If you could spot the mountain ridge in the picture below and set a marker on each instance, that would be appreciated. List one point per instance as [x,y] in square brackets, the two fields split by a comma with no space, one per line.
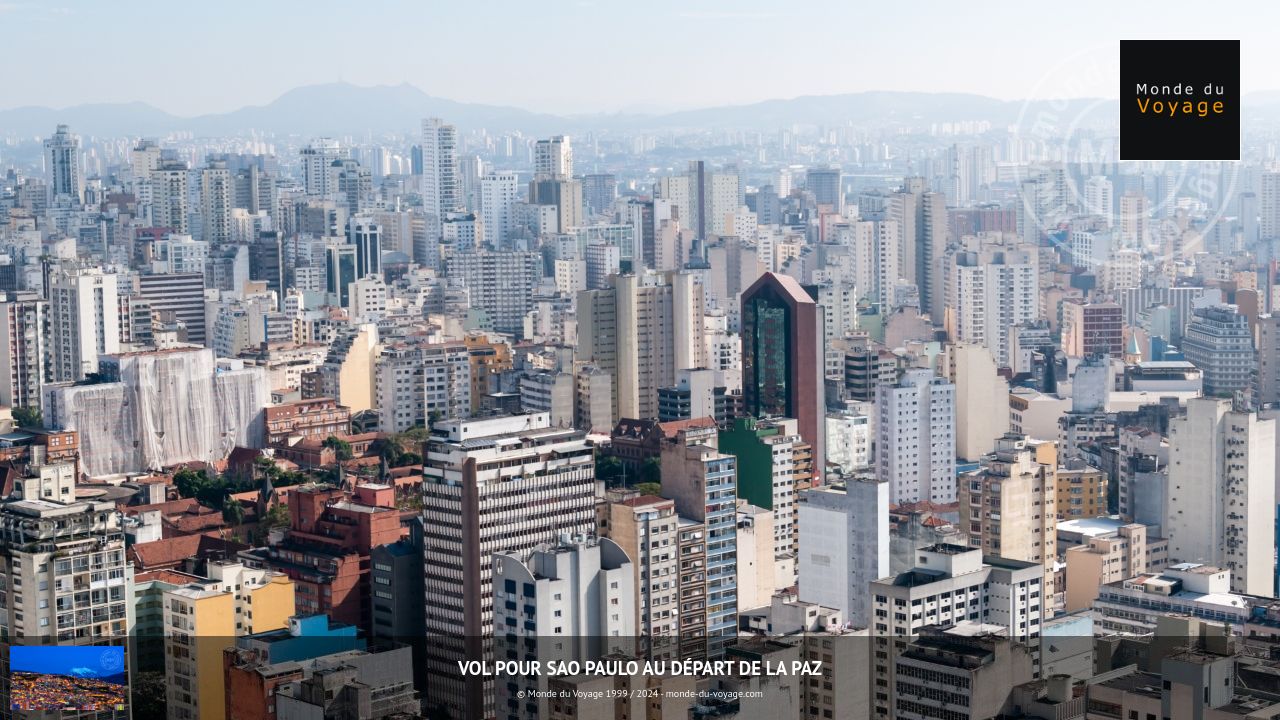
[341,108]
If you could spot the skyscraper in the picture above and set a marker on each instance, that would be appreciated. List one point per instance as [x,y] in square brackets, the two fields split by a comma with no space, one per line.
[1219,342]
[703,483]
[439,173]
[553,158]
[340,272]
[498,195]
[642,330]
[24,318]
[824,183]
[916,450]
[366,236]
[216,199]
[1008,506]
[1221,506]
[500,484]
[922,230]
[992,288]
[169,202]
[62,160]
[782,357]
[1269,207]
[84,321]
[317,166]
[598,192]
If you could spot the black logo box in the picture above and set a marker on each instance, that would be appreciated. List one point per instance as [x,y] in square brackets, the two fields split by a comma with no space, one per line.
[1187,68]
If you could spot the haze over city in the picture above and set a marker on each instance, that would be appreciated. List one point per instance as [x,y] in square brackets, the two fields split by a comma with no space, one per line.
[703,360]
[656,57]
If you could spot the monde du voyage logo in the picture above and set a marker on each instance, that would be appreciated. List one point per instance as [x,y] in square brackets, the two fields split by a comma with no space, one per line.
[1179,99]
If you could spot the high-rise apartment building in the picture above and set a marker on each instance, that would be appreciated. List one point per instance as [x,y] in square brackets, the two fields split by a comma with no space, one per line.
[772,463]
[201,617]
[916,448]
[317,160]
[1269,207]
[702,482]
[1266,381]
[170,203]
[646,527]
[578,593]
[642,330]
[24,348]
[1221,508]
[1099,198]
[440,192]
[982,406]
[500,284]
[62,162]
[217,197]
[499,193]
[416,384]
[1008,506]
[84,321]
[992,288]
[500,484]
[553,157]
[62,565]
[921,219]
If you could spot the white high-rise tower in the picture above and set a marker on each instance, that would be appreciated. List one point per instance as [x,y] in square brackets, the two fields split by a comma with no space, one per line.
[62,157]
[439,173]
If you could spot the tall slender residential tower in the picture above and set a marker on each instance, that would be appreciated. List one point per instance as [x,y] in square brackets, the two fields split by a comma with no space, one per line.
[782,358]
[499,193]
[62,159]
[703,483]
[24,319]
[439,174]
[922,225]
[916,449]
[217,195]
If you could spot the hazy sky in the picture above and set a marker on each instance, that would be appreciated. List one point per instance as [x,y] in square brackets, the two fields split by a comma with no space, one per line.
[575,56]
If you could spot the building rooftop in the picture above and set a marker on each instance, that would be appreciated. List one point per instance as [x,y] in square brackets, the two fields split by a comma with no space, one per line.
[1092,527]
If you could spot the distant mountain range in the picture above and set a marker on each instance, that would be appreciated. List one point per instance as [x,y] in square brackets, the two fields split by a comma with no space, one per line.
[345,109]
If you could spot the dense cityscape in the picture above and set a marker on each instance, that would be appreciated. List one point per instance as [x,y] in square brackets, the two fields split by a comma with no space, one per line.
[919,412]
